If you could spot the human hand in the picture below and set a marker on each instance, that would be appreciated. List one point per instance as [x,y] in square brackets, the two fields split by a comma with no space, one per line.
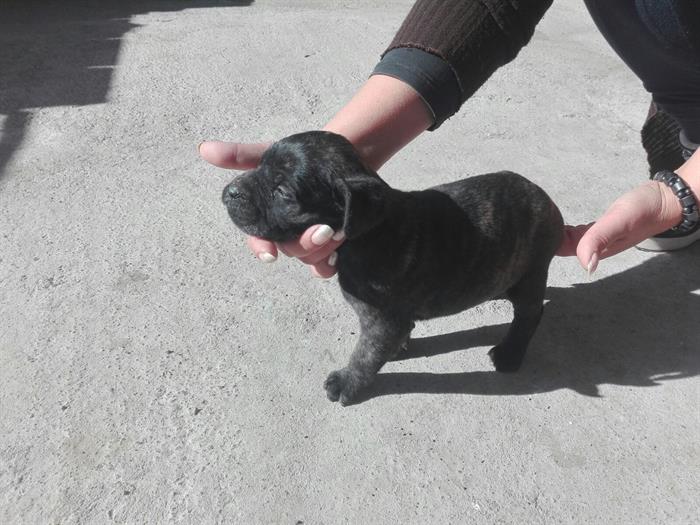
[316,246]
[648,210]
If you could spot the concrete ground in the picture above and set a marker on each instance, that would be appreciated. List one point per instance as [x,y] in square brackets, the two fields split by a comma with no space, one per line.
[152,371]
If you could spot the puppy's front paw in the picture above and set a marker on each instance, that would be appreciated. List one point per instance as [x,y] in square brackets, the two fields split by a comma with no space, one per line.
[342,385]
[505,358]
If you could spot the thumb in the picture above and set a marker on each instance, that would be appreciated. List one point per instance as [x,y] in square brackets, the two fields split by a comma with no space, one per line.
[232,155]
[593,243]
[613,233]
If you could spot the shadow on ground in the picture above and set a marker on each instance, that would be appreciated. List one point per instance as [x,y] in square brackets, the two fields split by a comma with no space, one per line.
[638,328]
[63,54]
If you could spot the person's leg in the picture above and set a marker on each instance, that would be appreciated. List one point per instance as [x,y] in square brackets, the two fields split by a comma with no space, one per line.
[661,141]
[660,42]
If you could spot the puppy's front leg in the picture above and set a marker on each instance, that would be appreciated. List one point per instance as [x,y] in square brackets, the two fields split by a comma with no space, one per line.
[371,352]
[381,337]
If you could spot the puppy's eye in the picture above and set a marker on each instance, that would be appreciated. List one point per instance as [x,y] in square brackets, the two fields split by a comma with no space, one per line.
[283,193]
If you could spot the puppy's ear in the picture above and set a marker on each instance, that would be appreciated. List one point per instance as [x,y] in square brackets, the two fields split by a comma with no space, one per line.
[364,196]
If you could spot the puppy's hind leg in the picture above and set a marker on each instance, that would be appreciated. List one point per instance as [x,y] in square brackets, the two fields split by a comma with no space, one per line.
[381,338]
[403,347]
[527,297]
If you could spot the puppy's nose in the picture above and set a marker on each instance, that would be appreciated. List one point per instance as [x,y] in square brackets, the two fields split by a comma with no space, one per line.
[233,192]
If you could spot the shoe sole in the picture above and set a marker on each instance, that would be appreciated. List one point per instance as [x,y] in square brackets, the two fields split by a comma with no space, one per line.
[668,244]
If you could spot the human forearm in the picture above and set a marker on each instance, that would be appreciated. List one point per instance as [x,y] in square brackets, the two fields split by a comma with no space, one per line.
[382,117]
[475,37]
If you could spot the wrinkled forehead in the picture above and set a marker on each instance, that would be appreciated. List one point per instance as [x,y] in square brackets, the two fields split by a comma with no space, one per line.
[284,158]
[314,152]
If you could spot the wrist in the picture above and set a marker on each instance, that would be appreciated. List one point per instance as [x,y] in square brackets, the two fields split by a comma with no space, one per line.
[671,213]
[679,196]
[690,173]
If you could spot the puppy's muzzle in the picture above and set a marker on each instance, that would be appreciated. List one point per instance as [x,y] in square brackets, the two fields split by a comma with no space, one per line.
[240,205]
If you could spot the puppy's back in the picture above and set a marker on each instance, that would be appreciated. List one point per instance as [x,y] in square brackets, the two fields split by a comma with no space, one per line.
[502,200]
[509,210]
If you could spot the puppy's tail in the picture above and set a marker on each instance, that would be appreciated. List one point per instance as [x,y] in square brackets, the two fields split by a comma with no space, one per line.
[556,222]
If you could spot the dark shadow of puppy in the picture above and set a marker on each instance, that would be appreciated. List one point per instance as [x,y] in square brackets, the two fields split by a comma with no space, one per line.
[446,343]
[638,328]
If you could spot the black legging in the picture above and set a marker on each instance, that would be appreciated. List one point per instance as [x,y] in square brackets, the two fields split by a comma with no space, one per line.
[660,41]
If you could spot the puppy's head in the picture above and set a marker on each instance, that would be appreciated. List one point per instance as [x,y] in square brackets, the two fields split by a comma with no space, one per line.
[305,179]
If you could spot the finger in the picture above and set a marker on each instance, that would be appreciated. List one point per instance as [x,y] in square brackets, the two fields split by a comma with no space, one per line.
[264,250]
[572,236]
[232,155]
[605,238]
[315,238]
[280,247]
[321,254]
[324,270]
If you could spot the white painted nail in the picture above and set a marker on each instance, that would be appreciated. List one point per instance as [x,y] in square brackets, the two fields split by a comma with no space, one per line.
[266,257]
[592,265]
[333,259]
[322,235]
[339,236]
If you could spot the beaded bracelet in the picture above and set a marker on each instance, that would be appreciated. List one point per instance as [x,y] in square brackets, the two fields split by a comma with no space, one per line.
[691,215]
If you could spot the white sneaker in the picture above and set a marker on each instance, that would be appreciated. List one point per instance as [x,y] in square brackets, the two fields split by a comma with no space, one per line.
[670,241]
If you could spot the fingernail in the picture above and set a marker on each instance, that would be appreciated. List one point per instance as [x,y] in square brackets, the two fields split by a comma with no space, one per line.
[322,235]
[592,264]
[266,257]
[333,259]
[339,236]
[199,147]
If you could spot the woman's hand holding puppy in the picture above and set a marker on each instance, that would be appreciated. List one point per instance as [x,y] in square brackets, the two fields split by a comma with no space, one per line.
[315,247]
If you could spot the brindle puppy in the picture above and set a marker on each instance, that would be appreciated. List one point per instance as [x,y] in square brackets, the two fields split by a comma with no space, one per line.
[407,255]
